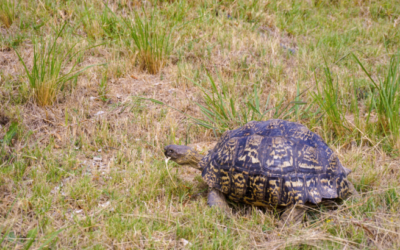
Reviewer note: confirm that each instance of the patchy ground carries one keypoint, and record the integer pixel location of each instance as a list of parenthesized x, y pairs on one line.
[(88, 171)]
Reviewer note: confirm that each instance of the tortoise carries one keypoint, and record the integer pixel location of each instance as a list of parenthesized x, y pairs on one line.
[(274, 163)]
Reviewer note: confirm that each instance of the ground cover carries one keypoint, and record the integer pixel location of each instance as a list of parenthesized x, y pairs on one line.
[(91, 92)]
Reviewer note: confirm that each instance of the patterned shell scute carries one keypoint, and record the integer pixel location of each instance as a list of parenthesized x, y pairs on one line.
[(274, 162)]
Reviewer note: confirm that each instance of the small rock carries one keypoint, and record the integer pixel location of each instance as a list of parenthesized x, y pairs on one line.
[(78, 213), (97, 158), (55, 190), (185, 242), (99, 113), (106, 204)]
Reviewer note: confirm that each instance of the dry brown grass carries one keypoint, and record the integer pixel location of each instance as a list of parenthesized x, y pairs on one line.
[(149, 63), (8, 12), (5, 19), (46, 93)]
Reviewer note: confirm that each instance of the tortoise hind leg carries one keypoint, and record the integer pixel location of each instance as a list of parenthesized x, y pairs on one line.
[(217, 199), (292, 215)]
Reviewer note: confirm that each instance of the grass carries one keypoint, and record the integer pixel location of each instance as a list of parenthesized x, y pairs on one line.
[(386, 100), (8, 12), (46, 77), (103, 88), (85, 168), (225, 111), (328, 99), (151, 38)]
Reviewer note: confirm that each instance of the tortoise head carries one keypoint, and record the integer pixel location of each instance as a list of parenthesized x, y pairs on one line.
[(183, 155)]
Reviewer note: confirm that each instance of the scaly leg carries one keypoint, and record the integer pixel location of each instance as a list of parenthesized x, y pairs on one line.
[(293, 215), (217, 198), (353, 191)]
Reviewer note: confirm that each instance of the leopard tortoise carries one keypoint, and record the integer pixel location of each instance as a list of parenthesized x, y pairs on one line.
[(269, 163)]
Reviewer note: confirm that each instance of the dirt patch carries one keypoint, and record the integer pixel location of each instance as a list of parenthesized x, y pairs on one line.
[(4, 119), (9, 63)]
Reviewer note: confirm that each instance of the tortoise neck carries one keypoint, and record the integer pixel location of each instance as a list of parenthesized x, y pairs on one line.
[(194, 159)]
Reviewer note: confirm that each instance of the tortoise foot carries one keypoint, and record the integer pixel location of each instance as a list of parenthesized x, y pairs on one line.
[(217, 199), (293, 215)]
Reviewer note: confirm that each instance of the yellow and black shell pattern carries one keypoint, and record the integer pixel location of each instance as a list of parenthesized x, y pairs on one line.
[(275, 163)]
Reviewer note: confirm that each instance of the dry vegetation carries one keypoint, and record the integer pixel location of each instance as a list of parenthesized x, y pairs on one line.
[(83, 125)]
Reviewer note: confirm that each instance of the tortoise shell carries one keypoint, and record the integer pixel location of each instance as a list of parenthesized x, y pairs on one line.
[(275, 163)]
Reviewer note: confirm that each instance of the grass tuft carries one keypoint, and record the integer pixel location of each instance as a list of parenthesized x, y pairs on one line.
[(48, 75), (223, 110), (327, 97), (8, 12), (99, 25), (386, 100), (103, 88), (10, 134), (151, 39)]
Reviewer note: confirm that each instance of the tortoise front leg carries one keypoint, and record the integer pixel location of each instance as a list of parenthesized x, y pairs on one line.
[(292, 215), (353, 191), (217, 198)]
